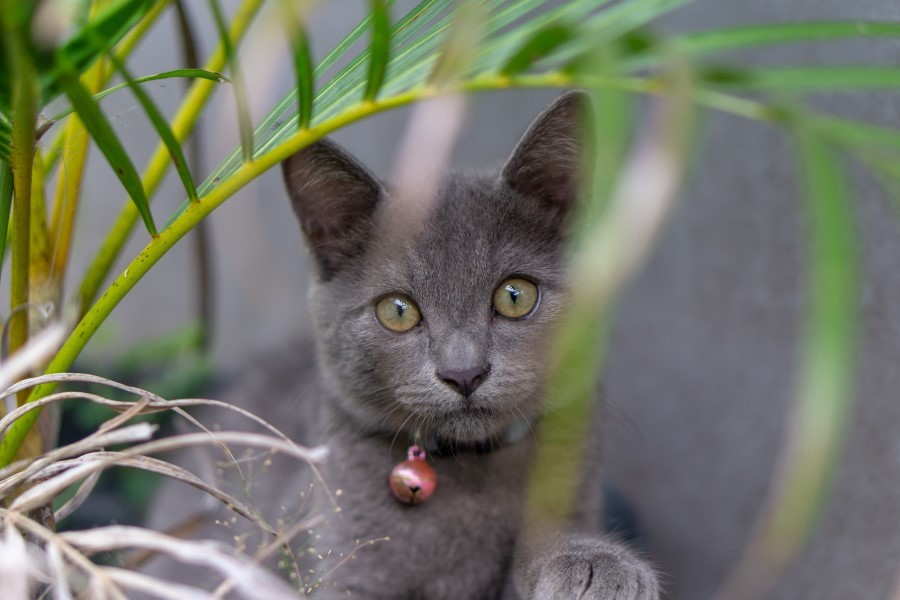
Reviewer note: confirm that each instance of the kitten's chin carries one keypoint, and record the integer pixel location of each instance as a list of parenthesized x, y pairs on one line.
[(468, 425)]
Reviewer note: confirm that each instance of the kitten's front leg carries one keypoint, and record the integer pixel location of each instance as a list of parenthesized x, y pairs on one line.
[(585, 567)]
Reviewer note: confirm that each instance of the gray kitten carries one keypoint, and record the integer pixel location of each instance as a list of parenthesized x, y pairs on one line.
[(432, 329), (436, 335)]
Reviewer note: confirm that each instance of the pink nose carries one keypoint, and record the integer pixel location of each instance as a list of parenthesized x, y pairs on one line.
[(465, 381)]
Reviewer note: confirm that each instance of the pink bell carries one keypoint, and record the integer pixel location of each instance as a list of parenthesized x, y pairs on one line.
[(413, 481)]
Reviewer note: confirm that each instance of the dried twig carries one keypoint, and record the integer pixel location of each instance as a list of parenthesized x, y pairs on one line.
[(251, 580), (59, 561)]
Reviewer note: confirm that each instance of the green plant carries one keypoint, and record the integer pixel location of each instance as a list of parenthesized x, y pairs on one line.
[(434, 50)]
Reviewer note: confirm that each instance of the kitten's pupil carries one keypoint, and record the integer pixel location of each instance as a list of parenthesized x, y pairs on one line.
[(397, 313), (515, 298)]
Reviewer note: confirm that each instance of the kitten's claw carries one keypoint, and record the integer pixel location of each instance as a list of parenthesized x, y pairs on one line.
[(585, 568)]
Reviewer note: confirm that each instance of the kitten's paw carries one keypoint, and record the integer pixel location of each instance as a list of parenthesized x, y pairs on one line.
[(594, 569)]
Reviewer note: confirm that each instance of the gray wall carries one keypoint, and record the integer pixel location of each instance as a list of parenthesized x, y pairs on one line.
[(700, 369), (706, 342)]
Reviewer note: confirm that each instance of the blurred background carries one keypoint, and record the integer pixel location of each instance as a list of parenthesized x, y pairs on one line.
[(704, 347)]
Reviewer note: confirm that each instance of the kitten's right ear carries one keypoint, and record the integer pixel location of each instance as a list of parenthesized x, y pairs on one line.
[(334, 198), (548, 162)]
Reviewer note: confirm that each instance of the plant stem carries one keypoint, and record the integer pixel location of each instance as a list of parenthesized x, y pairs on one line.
[(42, 288), (24, 119), (6, 193), (196, 211), (76, 145), (205, 303), (245, 126), (43, 291)]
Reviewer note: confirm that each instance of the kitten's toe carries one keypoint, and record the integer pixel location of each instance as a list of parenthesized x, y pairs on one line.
[(595, 570)]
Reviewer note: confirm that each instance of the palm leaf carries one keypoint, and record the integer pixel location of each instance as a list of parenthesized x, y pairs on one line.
[(852, 79), (161, 126), (283, 119), (110, 24), (415, 44), (737, 38), (580, 337), (822, 403), (303, 69), (855, 135), (379, 51), (176, 73), (538, 46), (109, 144), (240, 91), (607, 25), (5, 139), (183, 124)]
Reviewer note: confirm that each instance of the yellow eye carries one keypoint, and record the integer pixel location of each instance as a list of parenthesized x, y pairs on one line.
[(398, 313), (515, 298)]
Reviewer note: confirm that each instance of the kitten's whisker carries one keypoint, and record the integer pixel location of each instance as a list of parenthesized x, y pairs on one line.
[(528, 421), (619, 414), (388, 414), (402, 425)]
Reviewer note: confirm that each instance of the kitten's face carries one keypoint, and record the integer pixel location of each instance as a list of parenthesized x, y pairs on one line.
[(463, 371), (441, 328)]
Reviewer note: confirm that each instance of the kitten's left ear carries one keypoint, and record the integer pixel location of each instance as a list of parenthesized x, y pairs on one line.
[(334, 198), (548, 163)]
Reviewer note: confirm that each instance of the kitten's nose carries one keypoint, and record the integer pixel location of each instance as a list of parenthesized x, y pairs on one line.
[(465, 381)]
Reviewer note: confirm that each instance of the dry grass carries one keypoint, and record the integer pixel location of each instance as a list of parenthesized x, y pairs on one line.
[(38, 561)]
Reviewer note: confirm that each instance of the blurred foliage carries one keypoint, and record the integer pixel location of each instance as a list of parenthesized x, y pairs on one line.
[(609, 48), (171, 366)]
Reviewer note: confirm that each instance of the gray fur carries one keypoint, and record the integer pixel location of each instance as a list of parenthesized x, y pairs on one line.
[(481, 231), (372, 390)]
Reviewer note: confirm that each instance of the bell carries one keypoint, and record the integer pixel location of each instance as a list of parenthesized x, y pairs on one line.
[(413, 481)]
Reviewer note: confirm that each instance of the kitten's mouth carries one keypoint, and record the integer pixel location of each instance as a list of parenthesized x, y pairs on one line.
[(470, 424), (456, 421), (475, 411), (477, 429), (468, 417)]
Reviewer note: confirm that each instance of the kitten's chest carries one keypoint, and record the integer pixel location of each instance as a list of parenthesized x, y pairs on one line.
[(461, 539)]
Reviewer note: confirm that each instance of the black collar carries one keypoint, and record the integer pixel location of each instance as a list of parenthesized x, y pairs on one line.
[(436, 446)]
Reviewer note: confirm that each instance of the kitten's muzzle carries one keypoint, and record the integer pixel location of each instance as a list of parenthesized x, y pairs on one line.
[(465, 381)]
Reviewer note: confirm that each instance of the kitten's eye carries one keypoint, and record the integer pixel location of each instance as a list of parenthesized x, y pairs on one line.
[(398, 313), (515, 298)]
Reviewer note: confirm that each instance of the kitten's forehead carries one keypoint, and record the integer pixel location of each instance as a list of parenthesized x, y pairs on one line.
[(476, 231), (476, 224)]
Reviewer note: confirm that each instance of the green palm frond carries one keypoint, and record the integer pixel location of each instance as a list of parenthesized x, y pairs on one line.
[(519, 44)]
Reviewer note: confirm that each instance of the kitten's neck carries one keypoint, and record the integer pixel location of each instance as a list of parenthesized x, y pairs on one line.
[(513, 434), (339, 417)]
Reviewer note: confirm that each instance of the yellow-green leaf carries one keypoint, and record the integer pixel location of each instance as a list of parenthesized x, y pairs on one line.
[(103, 135)]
